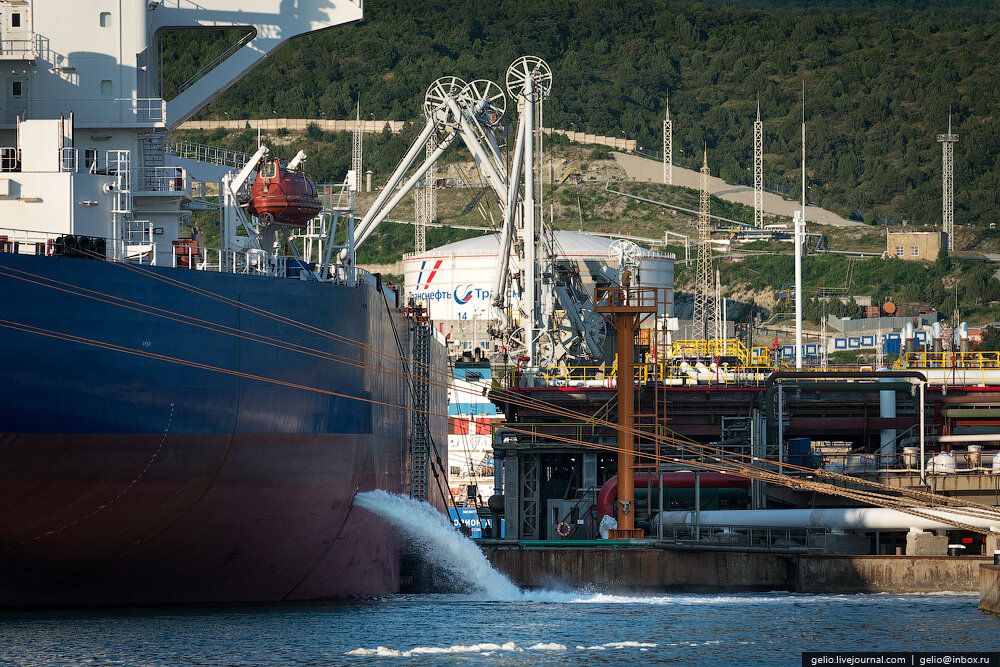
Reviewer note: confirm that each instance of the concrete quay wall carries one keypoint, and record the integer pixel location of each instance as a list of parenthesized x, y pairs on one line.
[(989, 588), (887, 574), (623, 568)]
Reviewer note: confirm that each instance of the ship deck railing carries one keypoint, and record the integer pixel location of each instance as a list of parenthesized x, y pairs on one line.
[(138, 247)]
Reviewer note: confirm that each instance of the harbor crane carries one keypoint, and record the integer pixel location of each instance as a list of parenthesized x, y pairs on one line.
[(541, 309)]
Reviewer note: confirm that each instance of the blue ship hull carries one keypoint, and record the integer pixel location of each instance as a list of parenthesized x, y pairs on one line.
[(195, 453)]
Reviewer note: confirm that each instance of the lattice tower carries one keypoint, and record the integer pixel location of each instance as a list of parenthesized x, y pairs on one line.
[(356, 153), (948, 184), (719, 328), (758, 170), (430, 202), (424, 202), (668, 148), (704, 302), (879, 347)]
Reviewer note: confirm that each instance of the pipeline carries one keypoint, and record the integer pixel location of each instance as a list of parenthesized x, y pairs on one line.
[(847, 518), (771, 421), (771, 430), (671, 480)]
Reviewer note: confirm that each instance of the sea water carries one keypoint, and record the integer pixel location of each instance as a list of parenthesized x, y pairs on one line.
[(496, 623)]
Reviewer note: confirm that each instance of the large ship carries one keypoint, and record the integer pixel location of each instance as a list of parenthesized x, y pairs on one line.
[(180, 424)]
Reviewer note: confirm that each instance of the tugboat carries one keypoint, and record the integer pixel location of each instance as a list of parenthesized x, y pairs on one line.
[(283, 195)]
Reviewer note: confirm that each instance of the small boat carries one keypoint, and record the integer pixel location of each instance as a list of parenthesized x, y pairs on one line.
[(283, 196)]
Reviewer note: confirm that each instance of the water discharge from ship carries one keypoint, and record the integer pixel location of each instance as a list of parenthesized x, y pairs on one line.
[(440, 543)]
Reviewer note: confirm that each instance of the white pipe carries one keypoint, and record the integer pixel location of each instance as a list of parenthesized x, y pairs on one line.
[(849, 518), (397, 176), (887, 410), (502, 267), (374, 217), (527, 299), (923, 437), (781, 431), (985, 437)]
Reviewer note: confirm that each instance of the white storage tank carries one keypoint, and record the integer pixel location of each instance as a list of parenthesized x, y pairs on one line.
[(454, 281)]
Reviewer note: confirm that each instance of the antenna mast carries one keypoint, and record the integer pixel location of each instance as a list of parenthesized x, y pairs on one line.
[(668, 147), (758, 169), (948, 184)]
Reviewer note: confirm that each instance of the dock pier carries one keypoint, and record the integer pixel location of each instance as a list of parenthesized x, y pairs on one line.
[(649, 566)]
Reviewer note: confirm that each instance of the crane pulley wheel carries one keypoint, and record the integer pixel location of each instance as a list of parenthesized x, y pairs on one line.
[(529, 66), (485, 99), (439, 92)]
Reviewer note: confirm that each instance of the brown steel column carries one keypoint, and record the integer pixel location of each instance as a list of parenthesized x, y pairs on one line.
[(625, 328), (625, 308)]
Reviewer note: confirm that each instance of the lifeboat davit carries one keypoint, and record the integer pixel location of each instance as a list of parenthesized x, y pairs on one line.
[(283, 196)]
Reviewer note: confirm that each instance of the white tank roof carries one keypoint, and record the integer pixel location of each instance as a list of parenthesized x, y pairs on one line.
[(571, 243)]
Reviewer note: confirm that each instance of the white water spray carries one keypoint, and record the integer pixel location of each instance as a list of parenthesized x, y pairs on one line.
[(440, 542)]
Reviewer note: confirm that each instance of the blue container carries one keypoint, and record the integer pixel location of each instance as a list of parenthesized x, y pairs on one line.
[(891, 346), (294, 267), (798, 451)]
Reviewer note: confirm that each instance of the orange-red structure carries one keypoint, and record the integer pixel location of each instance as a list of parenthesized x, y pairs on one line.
[(283, 196)]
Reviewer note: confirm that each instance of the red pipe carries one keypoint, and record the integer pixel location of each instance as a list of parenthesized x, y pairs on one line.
[(671, 480)]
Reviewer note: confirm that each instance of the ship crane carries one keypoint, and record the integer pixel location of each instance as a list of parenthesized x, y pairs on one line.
[(538, 276), (556, 319)]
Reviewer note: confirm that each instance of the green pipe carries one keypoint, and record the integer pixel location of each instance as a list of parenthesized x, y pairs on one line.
[(993, 413)]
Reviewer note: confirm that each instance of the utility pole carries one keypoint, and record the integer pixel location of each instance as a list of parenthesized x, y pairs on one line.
[(800, 230)]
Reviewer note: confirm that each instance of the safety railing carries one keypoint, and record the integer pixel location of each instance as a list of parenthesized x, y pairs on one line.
[(18, 49), (748, 536), (977, 369), (676, 372), (8, 159), (164, 179), (948, 360), (205, 153), (110, 112), (92, 161)]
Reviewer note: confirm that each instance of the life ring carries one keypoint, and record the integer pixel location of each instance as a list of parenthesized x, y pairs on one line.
[(563, 529), (50, 247)]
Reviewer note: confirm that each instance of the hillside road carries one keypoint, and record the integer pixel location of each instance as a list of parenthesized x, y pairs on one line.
[(645, 169)]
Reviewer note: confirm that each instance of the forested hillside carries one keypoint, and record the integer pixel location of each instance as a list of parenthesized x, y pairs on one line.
[(879, 83)]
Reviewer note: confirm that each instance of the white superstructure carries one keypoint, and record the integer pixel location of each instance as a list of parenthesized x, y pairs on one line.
[(83, 123)]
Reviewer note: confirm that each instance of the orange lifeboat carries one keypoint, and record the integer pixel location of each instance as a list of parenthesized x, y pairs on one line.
[(283, 196)]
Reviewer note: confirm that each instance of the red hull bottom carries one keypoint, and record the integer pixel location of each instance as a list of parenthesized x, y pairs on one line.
[(180, 519)]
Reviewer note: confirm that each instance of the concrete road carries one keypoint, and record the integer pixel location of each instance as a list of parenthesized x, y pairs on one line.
[(645, 169)]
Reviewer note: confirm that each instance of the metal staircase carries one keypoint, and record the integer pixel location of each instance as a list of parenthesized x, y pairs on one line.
[(420, 431)]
